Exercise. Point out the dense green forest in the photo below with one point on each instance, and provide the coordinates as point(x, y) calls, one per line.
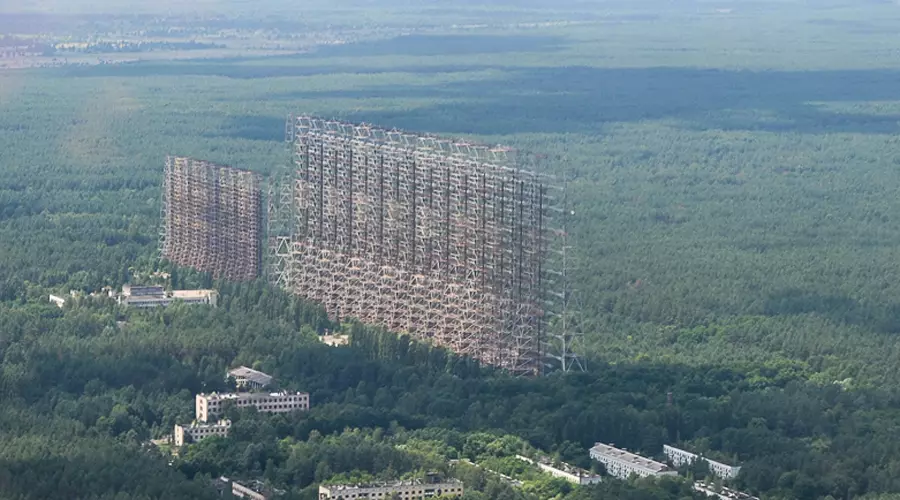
point(733, 174)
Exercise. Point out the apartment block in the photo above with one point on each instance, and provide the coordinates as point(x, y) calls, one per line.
point(211, 405)
point(622, 463)
point(405, 490)
point(680, 457)
point(198, 431)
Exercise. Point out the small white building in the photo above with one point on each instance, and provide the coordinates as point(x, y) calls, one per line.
point(622, 463)
point(335, 340)
point(680, 457)
point(406, 490)
point(249, 378)
point(211, 405)
point(565, 471)
point(198, 431)
point(57, 300)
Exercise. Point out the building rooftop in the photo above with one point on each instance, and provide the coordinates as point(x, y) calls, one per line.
point(393, 484)
point(628, 457)
point(201, 425)
point(137, 290)
point(234, 395)
point(133, 299)
point(147, 296)
point(251, 374)
point(191, 294)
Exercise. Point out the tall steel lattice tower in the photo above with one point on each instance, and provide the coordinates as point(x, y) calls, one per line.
point(211, 218)
point(565, 338)
point(441, 239)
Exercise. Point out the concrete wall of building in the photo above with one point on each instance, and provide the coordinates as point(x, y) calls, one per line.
point(200, 431)
point(209, 406)
point(680, 457)
point(406, 491)
point(179, 435)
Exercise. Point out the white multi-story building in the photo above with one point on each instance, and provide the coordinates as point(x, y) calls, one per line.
point(680, 457)
point(249, 378)
point(622, 464)
point(211, 405)
point(156, 296)
point(565, 471)
point(198, 431)
point(406, 490)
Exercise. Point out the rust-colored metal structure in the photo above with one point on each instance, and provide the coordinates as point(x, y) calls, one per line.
point(212, 218)
point(442, 239)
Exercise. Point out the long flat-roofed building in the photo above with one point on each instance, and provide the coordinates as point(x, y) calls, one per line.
point(211, 405)
point(622, 463)
point(198, 431)
point(249, 378)
point(208, 297)
point(406, 490)
point(156, 296)
point(680, 457)
point(570, 473)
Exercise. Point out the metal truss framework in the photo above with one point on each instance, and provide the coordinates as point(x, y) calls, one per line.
point(565, 338)
point(438, 238)
point(211, 218)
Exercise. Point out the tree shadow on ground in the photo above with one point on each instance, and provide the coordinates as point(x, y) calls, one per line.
point(583, 99)
point(444, 45)
point(287, 66)
point(558, 99)
point(883, 318)
point(253, 127)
